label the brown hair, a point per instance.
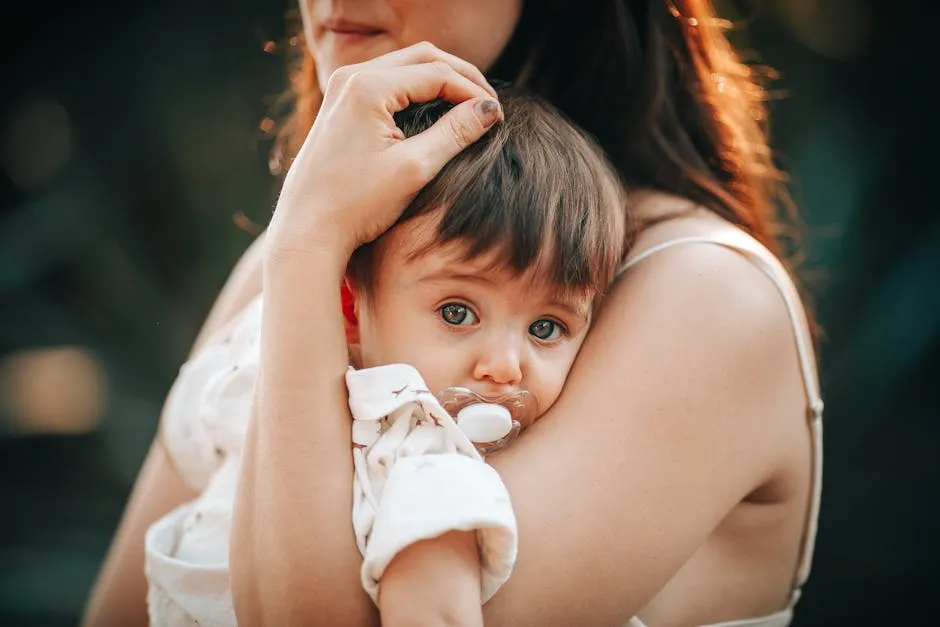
(659, 86)
(534, 190)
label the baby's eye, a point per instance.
(546, 330)
(457, 314)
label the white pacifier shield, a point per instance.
(484, 422)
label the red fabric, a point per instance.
(348, 304)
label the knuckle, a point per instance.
(426, 49)
(357, 81)
(461, 131)
(354, 79)
(339, 77)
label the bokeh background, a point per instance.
(134, 171)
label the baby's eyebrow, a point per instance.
(449, 274)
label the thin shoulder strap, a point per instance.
(754, 251)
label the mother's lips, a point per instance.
(344, 27)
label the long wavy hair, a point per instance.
(659, 86)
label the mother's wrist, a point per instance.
(327, 252)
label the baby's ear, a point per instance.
(350, 310)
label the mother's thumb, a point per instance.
(457, 129)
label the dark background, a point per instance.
(132, 155)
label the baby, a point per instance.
(486, 287)
(465, 320)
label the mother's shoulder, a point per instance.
(691, 243)
(729, 294)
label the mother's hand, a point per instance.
(356, 172)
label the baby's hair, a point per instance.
(535, 190)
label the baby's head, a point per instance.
(490, 278)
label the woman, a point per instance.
(674, 480)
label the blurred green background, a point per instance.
(133, 170)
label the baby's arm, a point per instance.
(447, 572)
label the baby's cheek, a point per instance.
(437, 369)
(554, 377)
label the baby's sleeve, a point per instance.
(417, 476)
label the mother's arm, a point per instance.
(661, 430)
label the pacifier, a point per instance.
(490, 423)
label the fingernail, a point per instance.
(488, 112)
